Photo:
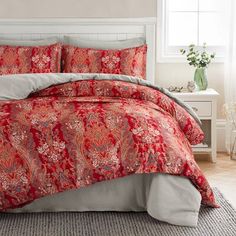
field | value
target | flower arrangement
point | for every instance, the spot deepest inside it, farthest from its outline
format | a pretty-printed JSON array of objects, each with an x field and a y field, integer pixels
[
  {"x": 196, "y": 58},
  {"x": 200, "y": 60}
]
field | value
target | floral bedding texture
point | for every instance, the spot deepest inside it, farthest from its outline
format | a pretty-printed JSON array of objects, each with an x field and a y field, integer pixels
[
  {"x": 75, "y": 134},
  {"x": 30, "y": 59},
  {"x": 129, "y": 61}
]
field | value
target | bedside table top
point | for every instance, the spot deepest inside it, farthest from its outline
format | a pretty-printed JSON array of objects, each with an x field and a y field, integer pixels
[{"x": 209, "y": 92}]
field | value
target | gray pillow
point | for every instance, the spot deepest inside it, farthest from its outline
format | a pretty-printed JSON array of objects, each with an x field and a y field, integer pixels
[
  {"x": 41, "y": 42},
  {"x": 104, "y": 44}
]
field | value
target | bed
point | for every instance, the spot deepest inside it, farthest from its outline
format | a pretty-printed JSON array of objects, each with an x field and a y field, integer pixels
[{"x": 74, "y": 142}]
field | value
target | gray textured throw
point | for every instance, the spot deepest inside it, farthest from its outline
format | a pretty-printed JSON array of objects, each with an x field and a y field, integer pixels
[{"x": 212, "y": 222}]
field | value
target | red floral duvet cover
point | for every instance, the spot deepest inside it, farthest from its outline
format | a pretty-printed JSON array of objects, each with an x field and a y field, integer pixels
[{"x": 75, "y": 134}]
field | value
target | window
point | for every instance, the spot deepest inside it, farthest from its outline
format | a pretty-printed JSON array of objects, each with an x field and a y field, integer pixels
[{"x": 185, "y": 22}]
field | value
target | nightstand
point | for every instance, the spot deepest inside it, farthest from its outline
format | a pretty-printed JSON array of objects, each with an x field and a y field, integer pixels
[{"x": 204, "y": 103}]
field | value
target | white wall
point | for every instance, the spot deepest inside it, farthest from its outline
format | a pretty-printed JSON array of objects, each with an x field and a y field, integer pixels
[
  {"x": 77, "y": 8},
  {"x": 167, "y": 74}
]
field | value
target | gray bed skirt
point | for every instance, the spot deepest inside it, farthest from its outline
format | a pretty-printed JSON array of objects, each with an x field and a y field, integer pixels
[{"x": 168, "y": 198}]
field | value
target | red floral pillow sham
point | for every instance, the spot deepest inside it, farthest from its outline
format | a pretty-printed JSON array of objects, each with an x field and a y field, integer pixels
[
  {"x": 130, "y": 61},
  {"x": 26, "y": 59}
]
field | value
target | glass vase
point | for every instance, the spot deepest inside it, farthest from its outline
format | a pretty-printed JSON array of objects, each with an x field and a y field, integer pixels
[{"x": 200, "y": 78}]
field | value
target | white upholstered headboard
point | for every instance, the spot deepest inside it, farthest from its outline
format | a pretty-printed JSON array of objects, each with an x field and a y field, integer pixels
[{"x": 88, "y": 28}]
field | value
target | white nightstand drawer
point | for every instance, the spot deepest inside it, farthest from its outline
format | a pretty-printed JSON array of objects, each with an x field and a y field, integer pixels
[
  {"x": 205, "y": 105},
  {"x": 203, "y": 109}
]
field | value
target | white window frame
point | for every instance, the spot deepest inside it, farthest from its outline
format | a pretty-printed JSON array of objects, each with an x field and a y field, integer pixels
[{"x": 171, "y": 54}]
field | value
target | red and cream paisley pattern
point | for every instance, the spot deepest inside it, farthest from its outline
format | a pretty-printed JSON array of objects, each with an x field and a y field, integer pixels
[
  {"x": 24, "y": 59},
  {"x": 130, "y": 61},
  {"x": 79, "y": 133}
]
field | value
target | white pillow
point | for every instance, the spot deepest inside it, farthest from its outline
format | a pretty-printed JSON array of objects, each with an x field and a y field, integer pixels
[
  {"x": 41, "y": 42},
  {"x": 104, "y": 44}
]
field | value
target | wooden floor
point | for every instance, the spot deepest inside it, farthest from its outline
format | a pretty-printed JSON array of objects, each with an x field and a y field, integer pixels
[{"x": 221, "y": 175}]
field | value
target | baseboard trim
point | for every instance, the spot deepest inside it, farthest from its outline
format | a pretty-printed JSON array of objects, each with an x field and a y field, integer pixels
[{"x": 220, "y": 131}]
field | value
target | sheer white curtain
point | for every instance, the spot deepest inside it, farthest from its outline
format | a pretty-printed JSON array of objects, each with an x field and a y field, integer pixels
[{"x": 230, "y": 74}]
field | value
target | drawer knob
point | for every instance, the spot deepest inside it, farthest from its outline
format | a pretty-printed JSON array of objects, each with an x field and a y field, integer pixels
[{"x": 195, "y": 109}]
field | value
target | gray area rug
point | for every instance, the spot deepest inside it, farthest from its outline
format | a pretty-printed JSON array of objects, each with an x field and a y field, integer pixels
[{"x": 212, "y": 222}]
